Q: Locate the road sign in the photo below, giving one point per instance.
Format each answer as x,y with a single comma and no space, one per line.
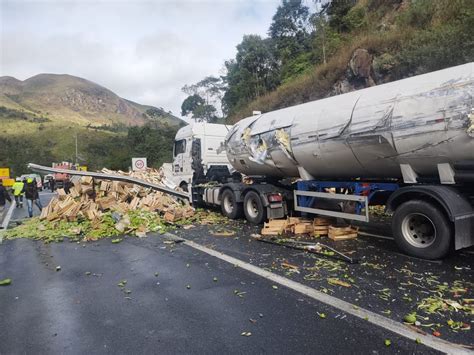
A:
138,164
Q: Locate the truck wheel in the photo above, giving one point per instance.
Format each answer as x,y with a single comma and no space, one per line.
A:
422,230
184,186
254,210
229,206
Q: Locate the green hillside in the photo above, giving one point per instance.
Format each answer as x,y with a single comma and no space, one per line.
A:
69,99
41,117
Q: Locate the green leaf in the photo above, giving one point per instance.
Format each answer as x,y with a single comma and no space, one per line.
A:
275,287
116,241
122,283
5,282
321,315
410,318
387,342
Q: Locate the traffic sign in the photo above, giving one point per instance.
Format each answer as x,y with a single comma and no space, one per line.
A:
138,164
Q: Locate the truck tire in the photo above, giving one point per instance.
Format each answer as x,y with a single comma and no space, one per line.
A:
184,186
229,206
421,230
254,210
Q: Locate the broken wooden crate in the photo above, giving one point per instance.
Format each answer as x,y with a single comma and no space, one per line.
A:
342,233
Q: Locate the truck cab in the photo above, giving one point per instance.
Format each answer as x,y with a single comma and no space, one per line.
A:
199,154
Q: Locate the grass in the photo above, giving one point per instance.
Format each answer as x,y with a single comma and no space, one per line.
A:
319,82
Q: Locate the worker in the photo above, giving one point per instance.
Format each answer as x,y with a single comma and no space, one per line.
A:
67,186
18,191
32,196
52,182
4,196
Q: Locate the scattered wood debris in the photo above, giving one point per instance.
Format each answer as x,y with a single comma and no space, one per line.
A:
342,233
90,198
319,226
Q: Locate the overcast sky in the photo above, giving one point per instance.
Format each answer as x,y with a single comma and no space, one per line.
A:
144,51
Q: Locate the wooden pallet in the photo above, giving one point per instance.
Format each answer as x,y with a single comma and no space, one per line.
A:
342,233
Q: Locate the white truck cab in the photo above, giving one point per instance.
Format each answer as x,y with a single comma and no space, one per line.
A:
199,151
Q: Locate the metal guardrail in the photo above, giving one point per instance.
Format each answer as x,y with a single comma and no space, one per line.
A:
102,176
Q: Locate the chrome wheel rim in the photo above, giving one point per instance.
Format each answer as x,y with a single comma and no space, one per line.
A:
418,230
252,208
228,204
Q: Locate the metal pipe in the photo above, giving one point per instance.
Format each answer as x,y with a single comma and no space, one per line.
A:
102,176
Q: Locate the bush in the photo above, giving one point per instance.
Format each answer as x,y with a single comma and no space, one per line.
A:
355,19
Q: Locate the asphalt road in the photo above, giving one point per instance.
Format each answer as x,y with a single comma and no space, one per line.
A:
180,300
196,304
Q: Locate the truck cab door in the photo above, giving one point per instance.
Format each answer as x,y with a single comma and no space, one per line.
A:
179,150
187,158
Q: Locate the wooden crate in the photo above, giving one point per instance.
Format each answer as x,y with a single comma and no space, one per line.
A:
320,230
342,233
302,228
274,227
321,226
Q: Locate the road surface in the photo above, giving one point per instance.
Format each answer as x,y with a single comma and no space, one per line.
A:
178,299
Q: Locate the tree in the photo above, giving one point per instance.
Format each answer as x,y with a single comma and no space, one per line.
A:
336,11
252,73
199,110
203,98
290,31
191,103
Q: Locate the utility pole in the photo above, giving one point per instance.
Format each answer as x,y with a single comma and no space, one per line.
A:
76,148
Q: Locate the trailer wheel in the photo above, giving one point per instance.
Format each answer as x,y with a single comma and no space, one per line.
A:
254,210
422,230
229,206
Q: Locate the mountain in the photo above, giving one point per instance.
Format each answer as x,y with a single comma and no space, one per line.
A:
73,100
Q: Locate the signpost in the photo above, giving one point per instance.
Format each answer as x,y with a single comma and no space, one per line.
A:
139,164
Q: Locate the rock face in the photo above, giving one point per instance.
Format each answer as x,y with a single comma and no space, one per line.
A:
359,73
361,64
74,99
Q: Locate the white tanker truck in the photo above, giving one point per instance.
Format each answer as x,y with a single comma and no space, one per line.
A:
408,145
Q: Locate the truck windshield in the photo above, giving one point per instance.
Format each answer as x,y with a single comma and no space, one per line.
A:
179,147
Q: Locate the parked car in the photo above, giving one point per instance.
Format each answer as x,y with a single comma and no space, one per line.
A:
39,180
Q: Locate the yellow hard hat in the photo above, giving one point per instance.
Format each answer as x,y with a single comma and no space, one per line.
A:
29,180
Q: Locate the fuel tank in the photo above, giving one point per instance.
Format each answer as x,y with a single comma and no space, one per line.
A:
420,121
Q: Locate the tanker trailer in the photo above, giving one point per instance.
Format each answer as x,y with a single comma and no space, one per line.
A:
408,144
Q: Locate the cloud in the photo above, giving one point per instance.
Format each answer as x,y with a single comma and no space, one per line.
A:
143,50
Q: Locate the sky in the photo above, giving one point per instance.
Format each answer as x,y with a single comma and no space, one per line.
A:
143,50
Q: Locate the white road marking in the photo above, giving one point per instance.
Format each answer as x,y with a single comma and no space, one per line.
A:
371,317
7,218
